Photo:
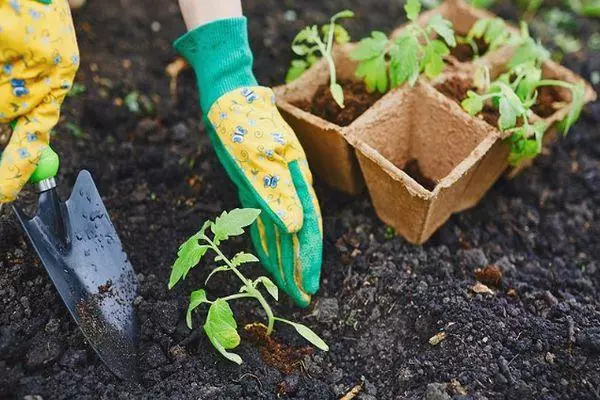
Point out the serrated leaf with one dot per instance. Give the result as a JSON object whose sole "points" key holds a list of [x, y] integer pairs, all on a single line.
{"points": [[370, 47], [196, 298], [473, 103], [338, 94], [243, 258], [308, 334], [270, 286], [296, 70], [443, 28], [221, 329], [412, 9], [232, 223], [374, 74], [433, 62], [188, 257], [405, 62]]}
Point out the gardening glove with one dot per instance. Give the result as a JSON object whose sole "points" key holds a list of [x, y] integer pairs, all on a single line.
{"points": [[38, 61], [260, 153]]}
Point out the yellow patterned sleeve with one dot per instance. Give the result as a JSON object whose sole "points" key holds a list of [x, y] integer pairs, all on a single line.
{"points": [[262, 145], [38, 61]]}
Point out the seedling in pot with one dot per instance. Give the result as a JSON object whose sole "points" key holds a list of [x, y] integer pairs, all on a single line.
{"points": [[491, 31], [312, 43], [514, 93], [385, 63], [220, 325]]}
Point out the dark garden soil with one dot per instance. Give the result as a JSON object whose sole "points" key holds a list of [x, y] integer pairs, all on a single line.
{"points": [[456, 89], [463, 52], [356, 101], [534, 333], [547, 97]]}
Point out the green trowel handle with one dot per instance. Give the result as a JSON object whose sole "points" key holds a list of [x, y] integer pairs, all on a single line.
{"points": [[47, 167]]}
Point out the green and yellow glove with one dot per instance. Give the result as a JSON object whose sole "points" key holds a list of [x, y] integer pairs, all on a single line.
{"points": [[38, 61], [260, 153]]}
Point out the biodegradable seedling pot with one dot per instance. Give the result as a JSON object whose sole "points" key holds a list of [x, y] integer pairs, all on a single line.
{"points": [[463, 155], [330, 155], [422, 156], [450, 148]]}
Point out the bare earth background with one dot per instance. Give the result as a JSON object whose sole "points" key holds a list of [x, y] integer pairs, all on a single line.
{"points": [[381, 298]]}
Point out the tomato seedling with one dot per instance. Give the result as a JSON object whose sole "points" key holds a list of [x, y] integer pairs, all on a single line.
{"points": [[385, 63], [513, 94], [311, 44], [220, 325]]}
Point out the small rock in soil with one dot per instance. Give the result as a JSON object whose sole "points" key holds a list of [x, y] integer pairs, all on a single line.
{"points": [[73, 358], [590, 339], [289, 385], [326, 310], [44, 350], [474, 258], [180, 132], [436, 391]]}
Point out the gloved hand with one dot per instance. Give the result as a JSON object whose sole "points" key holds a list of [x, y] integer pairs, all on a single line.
{"points": [[260, 153], [38, 61]]}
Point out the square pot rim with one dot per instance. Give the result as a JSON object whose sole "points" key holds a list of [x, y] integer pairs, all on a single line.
{"points": [[414, 187]]}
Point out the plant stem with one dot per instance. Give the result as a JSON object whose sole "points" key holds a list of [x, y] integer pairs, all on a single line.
{"points": [[237, 296], [271, 318], [229, 264], [252, 291], [553, 82]]}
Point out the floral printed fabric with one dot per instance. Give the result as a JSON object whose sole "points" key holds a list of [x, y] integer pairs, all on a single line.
{"points": [[38, 61], [263, 145]]}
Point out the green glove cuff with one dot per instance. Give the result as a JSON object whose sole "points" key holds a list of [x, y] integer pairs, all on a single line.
{"points": [[219, 53]]}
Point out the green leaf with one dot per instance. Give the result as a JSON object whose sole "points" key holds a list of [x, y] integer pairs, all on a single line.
{"points": [[296, 70], [340, 34], [443, 28], [338, 93], [304, 35], [243, 258], [433, 61], [473, 104], [412, 8], [196, 298], [270, 286], [405, 62], [132, 102], [232, 223], [343, 14], [221, 329], [188, 257], [300, 49], [370, 47], [222, 268], [577, 103], [478, 29], [508, 117], [307, 334], [374, 73]]}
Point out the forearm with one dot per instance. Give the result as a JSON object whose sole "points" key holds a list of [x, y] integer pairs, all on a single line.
{"points": [[200, 12]]}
